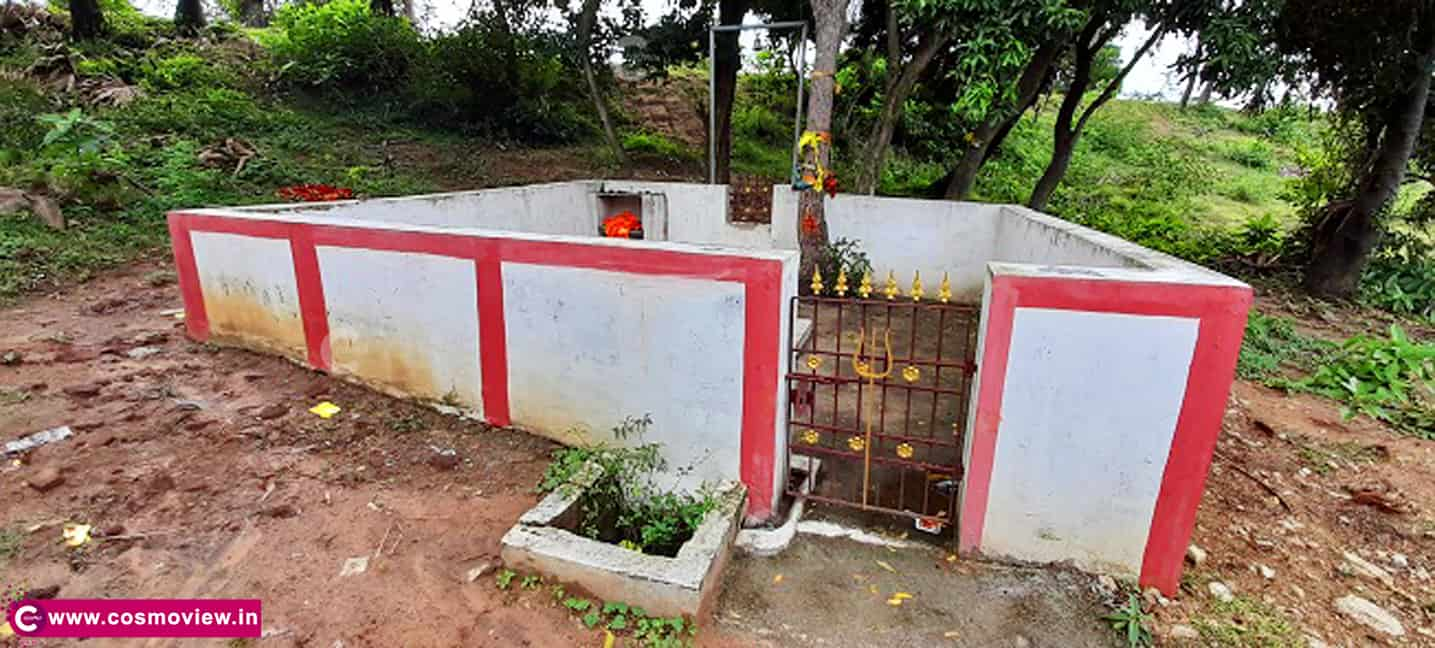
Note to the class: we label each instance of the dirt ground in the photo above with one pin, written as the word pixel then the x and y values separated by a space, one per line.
pixel 204 475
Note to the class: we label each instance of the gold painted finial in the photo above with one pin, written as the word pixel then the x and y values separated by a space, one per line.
pixel 917 286
pixel 841 287
pixel 816 281
pixel 891 290
pixel 944 292
pixel 865 288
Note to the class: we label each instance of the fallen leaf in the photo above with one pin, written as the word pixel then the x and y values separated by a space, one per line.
pixel 76 534
pixel 325 410
pixel 873 589
pixel 6 631
pixel 951 557
pixel 777 579
pixel 951 634
pixel 608 639
pixel 886 566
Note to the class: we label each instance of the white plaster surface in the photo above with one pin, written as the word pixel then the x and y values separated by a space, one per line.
pixel 1088 414
pixel 587 348
pixel 249 290
pixel 406 321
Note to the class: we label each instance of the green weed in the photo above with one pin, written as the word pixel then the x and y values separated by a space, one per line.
pixel 1247 622
pixel 1272 344
pixel 1389 379
pixel 504 578
pixel 1131 622
pixel 11 539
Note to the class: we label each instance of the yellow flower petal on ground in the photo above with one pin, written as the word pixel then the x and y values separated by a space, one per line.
pixel 886 566
pixel 6 631
pixel 76 534
pixel 608 639
pixel 777 579
pixel 325 409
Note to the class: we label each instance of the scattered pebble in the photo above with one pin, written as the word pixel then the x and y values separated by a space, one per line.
pixel 1195 555
pixel 1362 567
pixel 1369 614
pixel 45 480
pixel 1221 591
pixel 140 353
pixel 1266 572
pixel 355 566
pixel 1179 631
pixel 478 571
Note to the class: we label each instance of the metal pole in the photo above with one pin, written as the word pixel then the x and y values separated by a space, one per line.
pixel 712 106
pixel 797 118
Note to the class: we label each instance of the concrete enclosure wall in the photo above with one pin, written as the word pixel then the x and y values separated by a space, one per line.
pixel 1103 367
pixel 565 336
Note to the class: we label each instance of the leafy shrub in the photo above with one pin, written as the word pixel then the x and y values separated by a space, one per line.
pixel 1401 277
pixel 184 70
pixel 342 44
pixel 1392 379
pixel 20 132
pixel 624 505
pixel 843 256
pixel 1254 154
pixel 467 76
pixel 1285 124
pixel 656 144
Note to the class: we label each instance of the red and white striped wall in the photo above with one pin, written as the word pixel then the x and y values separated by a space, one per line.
pixel 1099 398
pixel 564 336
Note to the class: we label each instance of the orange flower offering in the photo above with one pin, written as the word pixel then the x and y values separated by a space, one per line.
pixel 621 225
pixel 314 193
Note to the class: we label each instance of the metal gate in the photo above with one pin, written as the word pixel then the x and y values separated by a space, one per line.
pixel 879 386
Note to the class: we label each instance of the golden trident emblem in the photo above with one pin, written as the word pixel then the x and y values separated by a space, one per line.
pixel 865 370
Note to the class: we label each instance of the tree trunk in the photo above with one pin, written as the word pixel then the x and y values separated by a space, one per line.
pixel 726 62
pixel 509 47
pixel 830 17
pixel 381 7
pixel 86 20
pixel 1206 94
pixel 586 18
pixel 189 17
pixel 251 13
pixel 1195 77
pixel 1067 132
pixel 1028 87
pixel 870 175
pixel 1342 241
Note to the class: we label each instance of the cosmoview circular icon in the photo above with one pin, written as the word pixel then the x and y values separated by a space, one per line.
pixel 26 617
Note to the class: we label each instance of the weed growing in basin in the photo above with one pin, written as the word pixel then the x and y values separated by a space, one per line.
pixel 625 506
pixel 1130 621
pixel 10 541
pixel 504 578
pixel 844 255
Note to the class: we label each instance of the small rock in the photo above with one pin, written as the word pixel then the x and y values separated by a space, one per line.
pixel 1369 614
pixel 1265 572
pixel 45 480
pixel 1221 591
pixel 11 358
pixel 1179 631
pixel 1106 585
pixel 355 566
pixel 1400 560
pixel 1021 642
pixel 443 458
pixel 1360 566
pixel 42 593
pixel 84 390
pixel 1195 555
pixel 140 353
pixel 272 411
pixel 151 338
pixel 280 511
pixel 107 305
pixel 188 405
pixel 112 530
pixel 478 571
pixel 1153 597
pixel 161 483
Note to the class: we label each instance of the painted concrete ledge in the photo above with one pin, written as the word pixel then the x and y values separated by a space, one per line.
pixel 687 584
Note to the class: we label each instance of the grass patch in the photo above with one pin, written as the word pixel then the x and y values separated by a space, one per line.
pixel 10 542
pixel 1247 622
pixel 1272 346
pixel 1324 459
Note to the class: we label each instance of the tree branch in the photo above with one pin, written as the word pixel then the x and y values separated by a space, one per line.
pixel 1115 84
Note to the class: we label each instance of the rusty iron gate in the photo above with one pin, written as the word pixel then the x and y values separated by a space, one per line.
pixel 879 387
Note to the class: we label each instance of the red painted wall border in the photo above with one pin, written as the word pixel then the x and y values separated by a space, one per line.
pixel 1221 311
pixel 761 278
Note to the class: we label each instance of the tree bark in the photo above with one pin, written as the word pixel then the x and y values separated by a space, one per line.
pixel 830 17
pixel 381 7
pixel 252 14
pixel 1342 241
pixel 1194 77
pixel 86 20
pixel 189 17
pixel 726 62
pixel 586 18
pixel 1033 77
pixel 870 175
pixel 1206 94
pixel 1067 133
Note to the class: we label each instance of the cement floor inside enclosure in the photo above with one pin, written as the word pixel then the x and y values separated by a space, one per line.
pixel 835 592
